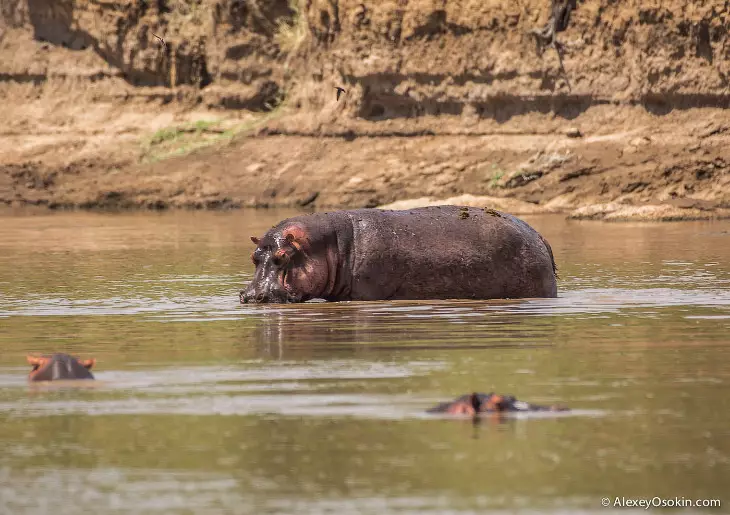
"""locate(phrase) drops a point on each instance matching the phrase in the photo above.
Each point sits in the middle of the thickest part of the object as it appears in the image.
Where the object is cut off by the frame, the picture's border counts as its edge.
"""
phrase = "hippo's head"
(59, 366)
(288, 268)
(476, 403)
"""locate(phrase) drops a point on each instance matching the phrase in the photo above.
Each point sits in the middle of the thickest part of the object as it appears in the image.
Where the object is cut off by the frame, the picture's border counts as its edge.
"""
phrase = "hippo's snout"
(249, 295)
(255, 298)
(271, 296)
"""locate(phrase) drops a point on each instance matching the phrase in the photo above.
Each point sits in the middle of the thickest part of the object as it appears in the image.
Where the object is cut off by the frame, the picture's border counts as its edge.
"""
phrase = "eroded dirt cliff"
(443, 98)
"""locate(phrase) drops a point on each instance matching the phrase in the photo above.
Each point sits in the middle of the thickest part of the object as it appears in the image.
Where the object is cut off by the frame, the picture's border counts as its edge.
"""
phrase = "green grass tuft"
(497, 175)
(183, 139)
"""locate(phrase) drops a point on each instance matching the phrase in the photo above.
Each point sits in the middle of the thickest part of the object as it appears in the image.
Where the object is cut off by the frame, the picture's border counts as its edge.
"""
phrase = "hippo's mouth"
(276, 291)
(292, 297)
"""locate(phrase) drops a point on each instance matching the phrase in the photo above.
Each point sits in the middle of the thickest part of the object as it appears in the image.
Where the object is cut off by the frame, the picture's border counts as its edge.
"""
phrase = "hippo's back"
(448, 252)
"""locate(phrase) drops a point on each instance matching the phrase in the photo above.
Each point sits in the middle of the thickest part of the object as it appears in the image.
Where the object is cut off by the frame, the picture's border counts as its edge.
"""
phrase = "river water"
(203, 405)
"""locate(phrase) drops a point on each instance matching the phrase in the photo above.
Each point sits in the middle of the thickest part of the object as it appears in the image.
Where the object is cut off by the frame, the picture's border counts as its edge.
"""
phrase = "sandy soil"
(93, 156)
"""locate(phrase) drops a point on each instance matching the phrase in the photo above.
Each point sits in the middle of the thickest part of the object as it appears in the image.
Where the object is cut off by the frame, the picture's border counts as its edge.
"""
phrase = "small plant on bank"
(183, 139)
(497, 175)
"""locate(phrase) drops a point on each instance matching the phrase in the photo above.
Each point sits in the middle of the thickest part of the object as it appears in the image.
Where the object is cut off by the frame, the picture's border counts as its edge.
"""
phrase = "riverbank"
(678, 162)
(635, 125)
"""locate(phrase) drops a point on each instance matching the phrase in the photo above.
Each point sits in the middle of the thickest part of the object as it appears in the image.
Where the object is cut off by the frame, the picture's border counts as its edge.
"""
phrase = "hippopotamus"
(439, 252)
(472, 404)
(59, 366)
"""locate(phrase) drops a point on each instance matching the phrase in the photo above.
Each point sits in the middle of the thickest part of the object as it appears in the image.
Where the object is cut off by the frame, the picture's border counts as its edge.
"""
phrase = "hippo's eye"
(280, 258)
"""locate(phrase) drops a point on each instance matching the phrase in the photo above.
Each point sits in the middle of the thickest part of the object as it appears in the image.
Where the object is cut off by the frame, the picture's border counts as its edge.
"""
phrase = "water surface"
(203, 405)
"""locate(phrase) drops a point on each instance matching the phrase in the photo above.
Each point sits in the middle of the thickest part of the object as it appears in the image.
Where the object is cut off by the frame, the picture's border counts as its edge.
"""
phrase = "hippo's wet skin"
(59, 366)
(472, 404)
(442, 252)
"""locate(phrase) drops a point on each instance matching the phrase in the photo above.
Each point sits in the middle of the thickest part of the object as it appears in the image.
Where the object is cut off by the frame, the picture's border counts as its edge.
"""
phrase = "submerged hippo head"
(289, 267)
(59, 366)
(475, 403)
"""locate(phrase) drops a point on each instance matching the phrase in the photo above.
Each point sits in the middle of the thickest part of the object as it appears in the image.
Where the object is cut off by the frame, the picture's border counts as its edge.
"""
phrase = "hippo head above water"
(476, 403)
(440, 252)
(59, 366)
(288, 269)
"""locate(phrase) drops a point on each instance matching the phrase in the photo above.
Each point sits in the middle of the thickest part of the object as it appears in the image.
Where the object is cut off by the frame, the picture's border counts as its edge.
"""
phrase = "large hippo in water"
(441, 252)
(59, 366)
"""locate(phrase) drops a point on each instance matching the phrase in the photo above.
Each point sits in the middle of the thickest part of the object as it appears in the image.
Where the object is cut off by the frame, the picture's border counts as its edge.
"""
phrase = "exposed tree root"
(558, 22)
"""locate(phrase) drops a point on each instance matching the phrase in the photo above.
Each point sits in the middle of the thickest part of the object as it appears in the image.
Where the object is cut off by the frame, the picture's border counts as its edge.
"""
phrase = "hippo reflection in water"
(475, 403)
(440, 252)
(59, 367)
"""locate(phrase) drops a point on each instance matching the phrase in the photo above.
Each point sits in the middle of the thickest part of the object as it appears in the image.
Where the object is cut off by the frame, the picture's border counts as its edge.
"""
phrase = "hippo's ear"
(35, 360)
(87, 363)
(293, 242)
(297, 237)
(255, 240)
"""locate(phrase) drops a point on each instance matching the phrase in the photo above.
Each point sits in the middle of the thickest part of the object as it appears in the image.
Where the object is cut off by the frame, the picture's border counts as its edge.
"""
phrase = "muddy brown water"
(203, 405)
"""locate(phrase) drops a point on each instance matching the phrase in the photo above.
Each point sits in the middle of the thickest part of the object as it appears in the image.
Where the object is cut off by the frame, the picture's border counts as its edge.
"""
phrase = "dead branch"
(558, 22)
